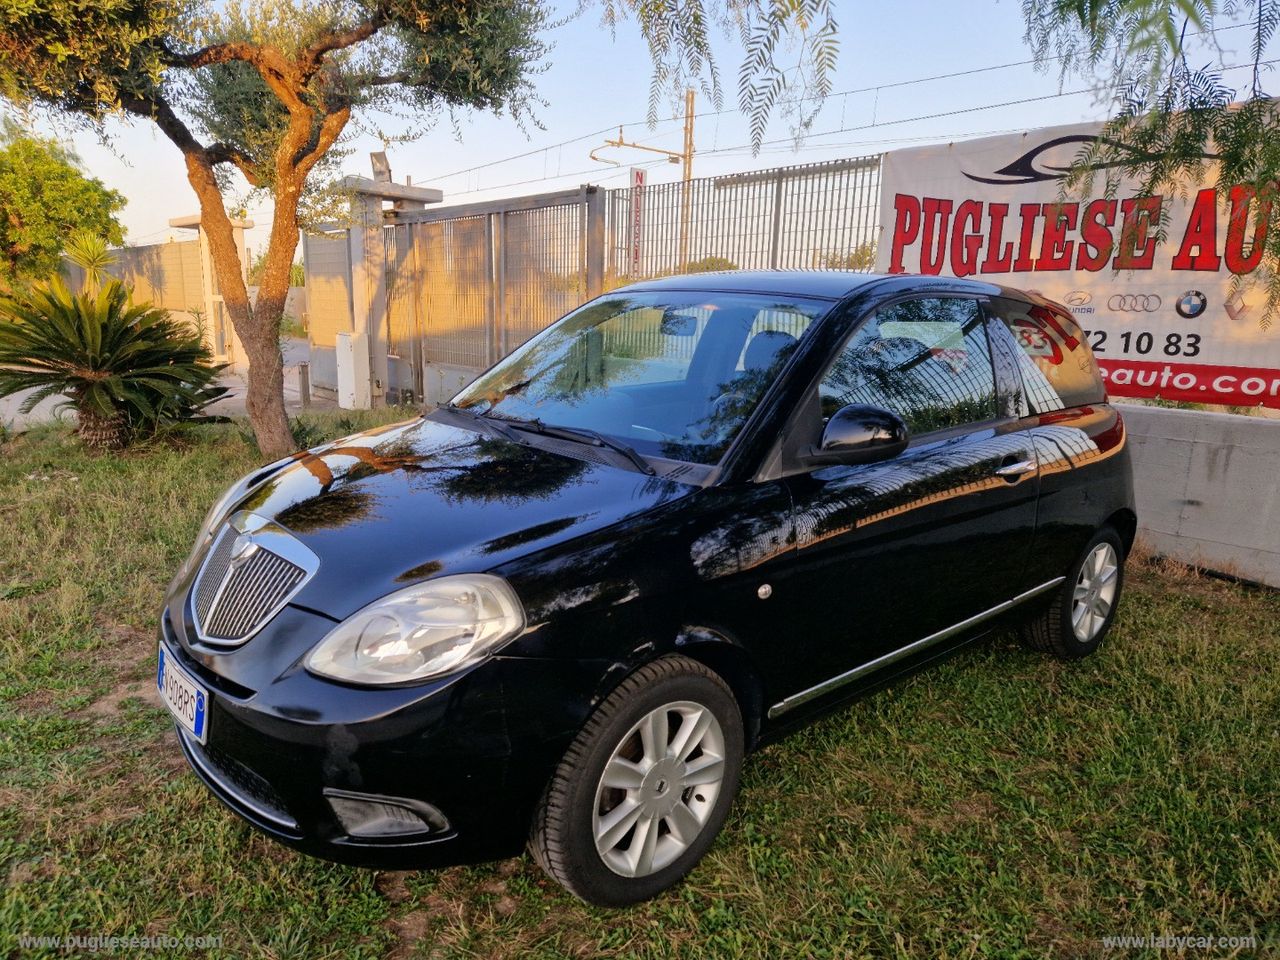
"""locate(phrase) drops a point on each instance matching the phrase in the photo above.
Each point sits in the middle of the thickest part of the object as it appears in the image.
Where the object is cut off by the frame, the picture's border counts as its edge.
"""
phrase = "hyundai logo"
(1134, 303)
(243, 548)
(1078, 298)
(1191, 304)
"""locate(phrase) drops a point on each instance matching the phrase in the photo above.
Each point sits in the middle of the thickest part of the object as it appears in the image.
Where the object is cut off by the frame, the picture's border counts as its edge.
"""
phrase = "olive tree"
(1178, 119)
(268, 90)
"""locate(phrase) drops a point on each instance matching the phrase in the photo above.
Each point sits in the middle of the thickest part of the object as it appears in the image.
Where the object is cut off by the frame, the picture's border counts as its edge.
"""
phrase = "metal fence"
(807, 217)
(466, 285)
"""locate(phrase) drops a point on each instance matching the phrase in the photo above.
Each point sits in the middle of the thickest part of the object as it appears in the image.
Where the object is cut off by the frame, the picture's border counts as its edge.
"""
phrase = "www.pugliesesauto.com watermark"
(1173, 941)
(113, 943)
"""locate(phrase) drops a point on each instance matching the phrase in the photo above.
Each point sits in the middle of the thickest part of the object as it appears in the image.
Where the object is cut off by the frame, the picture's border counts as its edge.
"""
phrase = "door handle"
(1014, 470)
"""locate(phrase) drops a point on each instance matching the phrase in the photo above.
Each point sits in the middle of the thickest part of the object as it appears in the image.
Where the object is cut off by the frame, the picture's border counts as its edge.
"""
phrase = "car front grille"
(234, 599)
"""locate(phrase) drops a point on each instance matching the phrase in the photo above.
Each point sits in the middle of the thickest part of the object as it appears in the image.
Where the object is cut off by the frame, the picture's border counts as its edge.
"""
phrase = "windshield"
(673, 374)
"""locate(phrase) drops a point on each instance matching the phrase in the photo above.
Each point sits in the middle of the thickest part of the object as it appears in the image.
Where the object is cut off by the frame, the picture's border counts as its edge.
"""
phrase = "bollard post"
(304, 383)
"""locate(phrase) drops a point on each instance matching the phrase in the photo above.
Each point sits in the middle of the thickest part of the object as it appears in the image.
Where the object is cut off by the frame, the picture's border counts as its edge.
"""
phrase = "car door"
(1077, 434)
(892, 553)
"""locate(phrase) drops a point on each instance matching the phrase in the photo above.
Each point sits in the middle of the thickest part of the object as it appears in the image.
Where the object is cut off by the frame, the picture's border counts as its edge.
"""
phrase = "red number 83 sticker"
(1035, 342)
(1035, 335)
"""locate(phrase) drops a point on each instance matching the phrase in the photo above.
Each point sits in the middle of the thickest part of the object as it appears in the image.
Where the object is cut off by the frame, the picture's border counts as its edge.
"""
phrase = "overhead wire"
(892, 85)
(810, 137)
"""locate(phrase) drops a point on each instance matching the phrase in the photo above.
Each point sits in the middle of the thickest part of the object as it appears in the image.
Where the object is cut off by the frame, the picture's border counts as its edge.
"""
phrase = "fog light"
(384, 817)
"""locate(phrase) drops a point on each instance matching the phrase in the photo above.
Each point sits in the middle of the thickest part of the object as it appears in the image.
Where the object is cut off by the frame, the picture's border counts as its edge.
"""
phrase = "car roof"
(824, 284)
(828, 284)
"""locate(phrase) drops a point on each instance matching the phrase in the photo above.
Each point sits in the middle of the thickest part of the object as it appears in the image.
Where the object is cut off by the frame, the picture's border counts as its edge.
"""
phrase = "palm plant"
(125, 368)
(90, 253)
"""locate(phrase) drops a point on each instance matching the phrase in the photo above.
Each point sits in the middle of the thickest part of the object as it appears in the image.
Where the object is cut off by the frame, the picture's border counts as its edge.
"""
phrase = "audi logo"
(1134, 302)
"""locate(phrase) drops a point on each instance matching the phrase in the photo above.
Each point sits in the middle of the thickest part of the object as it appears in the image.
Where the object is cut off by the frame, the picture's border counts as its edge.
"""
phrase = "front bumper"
(478, 748)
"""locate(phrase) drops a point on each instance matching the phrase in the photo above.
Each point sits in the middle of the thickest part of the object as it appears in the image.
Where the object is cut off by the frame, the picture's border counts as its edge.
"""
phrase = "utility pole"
(686, 190)
(683, 157)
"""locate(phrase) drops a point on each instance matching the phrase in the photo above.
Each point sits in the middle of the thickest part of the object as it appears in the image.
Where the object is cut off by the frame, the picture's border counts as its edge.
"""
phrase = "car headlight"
(427, 630)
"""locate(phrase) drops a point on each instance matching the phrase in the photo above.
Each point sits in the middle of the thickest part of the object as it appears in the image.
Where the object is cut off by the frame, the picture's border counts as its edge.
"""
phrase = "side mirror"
(861, 434)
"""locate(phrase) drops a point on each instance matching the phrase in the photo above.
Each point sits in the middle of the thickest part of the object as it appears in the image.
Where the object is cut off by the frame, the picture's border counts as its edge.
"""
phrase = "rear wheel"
(645, 787)
(1081, 613)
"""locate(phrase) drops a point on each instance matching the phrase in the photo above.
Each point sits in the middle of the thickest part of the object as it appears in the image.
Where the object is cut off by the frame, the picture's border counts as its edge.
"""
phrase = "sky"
(886, 96)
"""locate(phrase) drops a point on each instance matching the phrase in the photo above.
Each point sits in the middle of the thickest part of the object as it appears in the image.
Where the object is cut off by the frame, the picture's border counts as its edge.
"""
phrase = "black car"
(686, 518)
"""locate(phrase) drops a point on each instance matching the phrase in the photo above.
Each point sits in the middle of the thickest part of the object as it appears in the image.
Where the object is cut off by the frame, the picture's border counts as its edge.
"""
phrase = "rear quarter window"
(1058, 369)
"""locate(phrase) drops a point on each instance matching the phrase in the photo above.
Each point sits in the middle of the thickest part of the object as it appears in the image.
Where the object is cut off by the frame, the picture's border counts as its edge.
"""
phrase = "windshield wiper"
(492, 401)
(496, 424)
(577, 435)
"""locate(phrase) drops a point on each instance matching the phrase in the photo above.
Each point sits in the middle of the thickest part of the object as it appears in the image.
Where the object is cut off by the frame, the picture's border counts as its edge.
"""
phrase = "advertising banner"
(1162, 317)
(637, 216)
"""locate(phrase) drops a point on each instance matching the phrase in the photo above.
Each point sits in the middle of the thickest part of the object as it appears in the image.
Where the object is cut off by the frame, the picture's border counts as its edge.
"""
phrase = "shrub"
(124, 368)
(862, 258)
(709, 265)
(93, 255)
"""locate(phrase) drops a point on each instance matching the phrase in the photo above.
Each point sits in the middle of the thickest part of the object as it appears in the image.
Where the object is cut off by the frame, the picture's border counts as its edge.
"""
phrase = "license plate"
(186, 699)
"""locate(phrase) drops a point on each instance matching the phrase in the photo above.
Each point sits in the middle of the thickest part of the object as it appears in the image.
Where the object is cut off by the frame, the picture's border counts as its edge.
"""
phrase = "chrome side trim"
(804, 696)
(211, 776)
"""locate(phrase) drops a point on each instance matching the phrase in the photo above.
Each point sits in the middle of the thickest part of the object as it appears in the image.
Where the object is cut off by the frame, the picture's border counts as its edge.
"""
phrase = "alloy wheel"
(1095, 592)
(658, 788)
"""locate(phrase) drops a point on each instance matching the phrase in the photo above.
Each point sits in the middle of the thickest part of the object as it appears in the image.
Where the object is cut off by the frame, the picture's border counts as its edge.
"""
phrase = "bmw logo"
(1191, 304)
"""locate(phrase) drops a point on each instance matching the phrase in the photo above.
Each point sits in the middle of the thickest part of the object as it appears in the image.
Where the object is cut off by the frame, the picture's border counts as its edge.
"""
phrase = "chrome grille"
(215, 571)
(235, 597)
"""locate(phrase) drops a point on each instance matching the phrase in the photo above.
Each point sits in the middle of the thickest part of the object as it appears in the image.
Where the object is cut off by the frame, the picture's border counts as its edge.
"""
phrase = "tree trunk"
(259, 330)
(102, 433)
(277, 268)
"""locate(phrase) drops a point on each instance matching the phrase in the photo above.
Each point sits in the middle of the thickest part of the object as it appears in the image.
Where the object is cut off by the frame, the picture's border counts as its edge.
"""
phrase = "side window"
(927, 360)
(1057, 366)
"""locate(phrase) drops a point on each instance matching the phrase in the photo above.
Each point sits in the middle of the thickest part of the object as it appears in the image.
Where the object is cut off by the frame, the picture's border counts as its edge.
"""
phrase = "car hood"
(401, 504)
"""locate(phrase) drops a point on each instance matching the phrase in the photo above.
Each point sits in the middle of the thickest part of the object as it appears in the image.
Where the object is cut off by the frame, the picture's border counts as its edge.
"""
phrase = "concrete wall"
(442, 381)
(168, 275)
(328, 295)
(1208, 488)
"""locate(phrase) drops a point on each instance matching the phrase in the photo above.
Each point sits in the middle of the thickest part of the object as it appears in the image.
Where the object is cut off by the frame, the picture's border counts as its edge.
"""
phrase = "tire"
(578, 805)
(1057, 630)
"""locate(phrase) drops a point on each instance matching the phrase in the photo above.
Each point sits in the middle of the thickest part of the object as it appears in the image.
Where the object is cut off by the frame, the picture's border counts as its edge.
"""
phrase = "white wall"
(1208, 488)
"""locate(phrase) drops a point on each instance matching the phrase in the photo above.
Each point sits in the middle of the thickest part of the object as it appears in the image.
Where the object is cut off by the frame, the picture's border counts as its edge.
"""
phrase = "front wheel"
(1081, 613)
(645, 787)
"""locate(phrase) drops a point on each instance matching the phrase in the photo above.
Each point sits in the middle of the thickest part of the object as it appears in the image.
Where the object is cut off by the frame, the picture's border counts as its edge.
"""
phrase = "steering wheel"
(724, 404)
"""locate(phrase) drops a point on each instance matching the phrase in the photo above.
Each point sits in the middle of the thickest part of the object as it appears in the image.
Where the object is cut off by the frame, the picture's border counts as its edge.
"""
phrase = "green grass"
(291, 326)
(1001, 805)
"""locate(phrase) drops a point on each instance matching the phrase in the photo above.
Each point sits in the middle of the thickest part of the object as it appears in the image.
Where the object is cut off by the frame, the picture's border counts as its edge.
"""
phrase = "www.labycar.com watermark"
(1172, 941)
(111, 943)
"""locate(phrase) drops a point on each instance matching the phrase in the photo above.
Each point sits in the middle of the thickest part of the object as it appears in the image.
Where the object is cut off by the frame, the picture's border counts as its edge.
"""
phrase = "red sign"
(1159, 284)
(1192, 382)
(637, 215)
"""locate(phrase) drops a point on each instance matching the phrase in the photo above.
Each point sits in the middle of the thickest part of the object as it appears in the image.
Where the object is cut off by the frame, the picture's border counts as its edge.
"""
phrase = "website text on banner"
(1162, 317)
